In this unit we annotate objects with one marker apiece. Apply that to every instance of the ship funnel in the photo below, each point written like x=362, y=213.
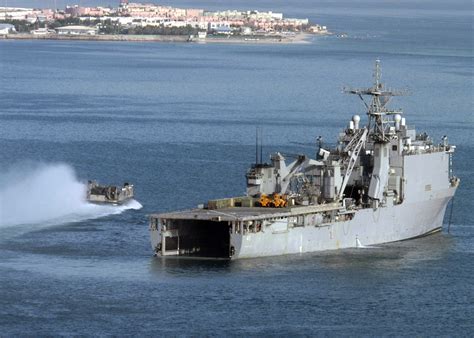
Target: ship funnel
x=356, y=120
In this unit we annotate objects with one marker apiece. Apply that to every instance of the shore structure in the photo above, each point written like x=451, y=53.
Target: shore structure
x=131, y=18
x=43, y=34
x=382, y=183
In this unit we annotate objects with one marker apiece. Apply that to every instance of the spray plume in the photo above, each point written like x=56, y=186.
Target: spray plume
x=48, y=194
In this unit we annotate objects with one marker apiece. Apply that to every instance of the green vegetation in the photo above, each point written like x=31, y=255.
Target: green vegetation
x=111, y=27
x=21, y=26
x=68, y=22
x=105, y=27
x=160, y=30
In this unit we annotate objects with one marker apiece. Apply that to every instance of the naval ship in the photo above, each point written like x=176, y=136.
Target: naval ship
x=382, y=183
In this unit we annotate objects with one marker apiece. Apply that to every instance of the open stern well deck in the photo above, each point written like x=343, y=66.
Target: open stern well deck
x=207, y=233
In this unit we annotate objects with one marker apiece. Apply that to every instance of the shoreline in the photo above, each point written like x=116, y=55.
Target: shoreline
x=298, y=38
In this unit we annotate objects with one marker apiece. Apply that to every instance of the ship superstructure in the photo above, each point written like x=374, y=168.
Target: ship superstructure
x=382, y=183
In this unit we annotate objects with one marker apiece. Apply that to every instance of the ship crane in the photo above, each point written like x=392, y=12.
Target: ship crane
x=353, y=149
x=294, y=170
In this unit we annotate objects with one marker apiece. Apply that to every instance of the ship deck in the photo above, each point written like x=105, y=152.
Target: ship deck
x=245, y=213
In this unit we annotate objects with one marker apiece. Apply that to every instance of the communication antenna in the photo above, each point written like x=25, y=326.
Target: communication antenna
x=377, y=108
x=256, y=146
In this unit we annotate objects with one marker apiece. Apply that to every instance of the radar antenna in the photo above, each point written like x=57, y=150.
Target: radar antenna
x=379, y=114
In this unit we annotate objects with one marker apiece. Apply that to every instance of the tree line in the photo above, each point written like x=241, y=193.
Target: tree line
x=105, y=27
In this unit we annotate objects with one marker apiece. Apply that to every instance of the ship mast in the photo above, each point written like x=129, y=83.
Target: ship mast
x=379, y=114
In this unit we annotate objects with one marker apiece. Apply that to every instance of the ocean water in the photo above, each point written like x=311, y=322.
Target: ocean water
x=178, y=121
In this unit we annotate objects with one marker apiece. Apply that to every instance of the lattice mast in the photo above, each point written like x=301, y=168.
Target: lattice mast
x=377, y=111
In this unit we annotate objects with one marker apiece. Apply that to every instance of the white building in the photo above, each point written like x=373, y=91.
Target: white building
x=256, y=15
x=198, y=24
x=43, y=31
x=12, y=13
x=246, y=30
x=217, y=25
x=77, y=30
x=6, y=28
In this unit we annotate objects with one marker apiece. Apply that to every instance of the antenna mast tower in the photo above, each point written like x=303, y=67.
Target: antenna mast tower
x=379, y=114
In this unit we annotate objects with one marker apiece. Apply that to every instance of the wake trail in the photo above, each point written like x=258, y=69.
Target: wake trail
x=48, y=194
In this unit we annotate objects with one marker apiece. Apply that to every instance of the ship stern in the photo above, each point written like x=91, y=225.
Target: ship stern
x=195, y=238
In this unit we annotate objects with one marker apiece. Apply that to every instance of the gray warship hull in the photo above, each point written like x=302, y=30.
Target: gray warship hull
x=368, y=227
x=228, y=238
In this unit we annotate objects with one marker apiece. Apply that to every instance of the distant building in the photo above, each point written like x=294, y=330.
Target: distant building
x=77, y=11
x=194, y=13
x=246, y=31
x=317, y=29
x=6, y=28
x=15, y=13
x=43, y=31
x=218, y=25
x=223, y=30
x=77, y=30
x=41, y=18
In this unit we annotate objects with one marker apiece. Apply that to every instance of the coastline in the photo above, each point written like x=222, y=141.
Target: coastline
x=298, y=38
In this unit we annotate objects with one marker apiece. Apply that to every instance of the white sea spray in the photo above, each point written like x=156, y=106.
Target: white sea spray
x=47, y=194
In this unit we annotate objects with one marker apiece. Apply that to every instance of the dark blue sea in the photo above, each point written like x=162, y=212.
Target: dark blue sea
x=178, y=121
